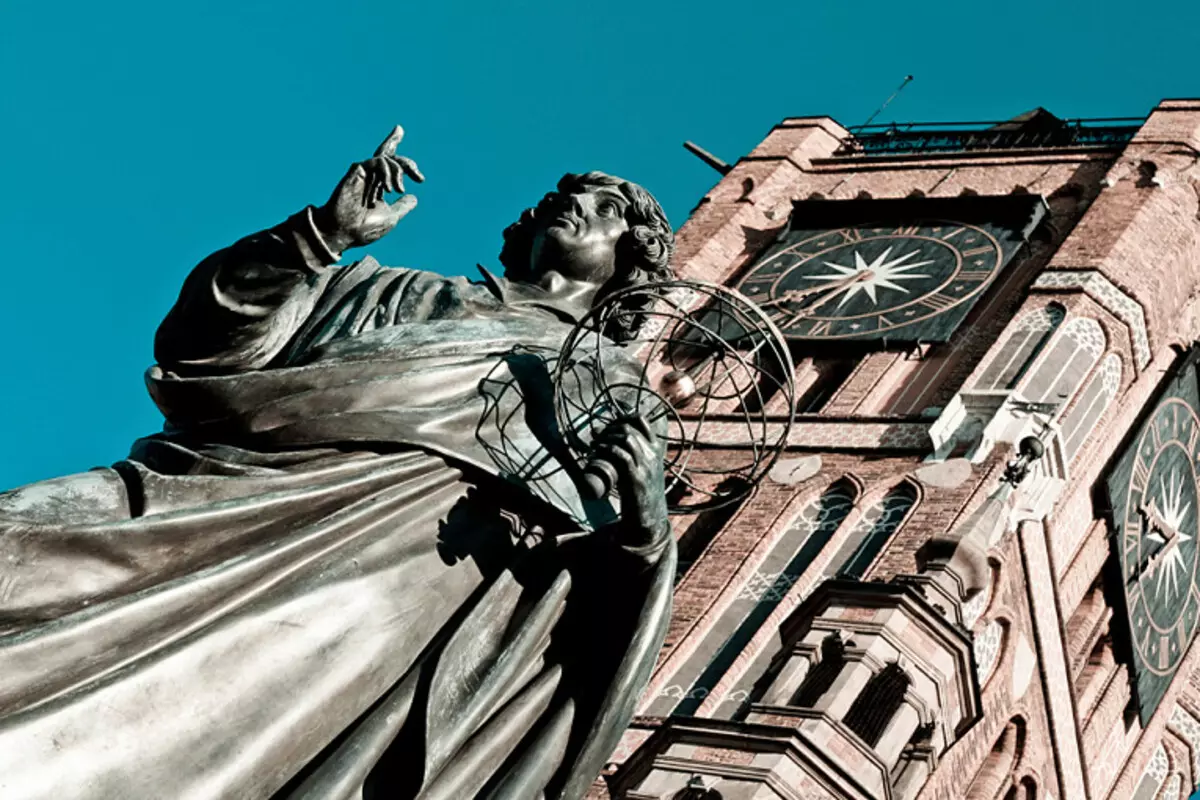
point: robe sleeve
(240, 306)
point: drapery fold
(320, 582)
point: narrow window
(764, 590)
(1092, 404)
(822, 674)
(1066, 363)
(879, 701)
(1025, 340)
(873, 531)
(995, 775)
(830, 375)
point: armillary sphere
(710, 369)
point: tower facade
(973, 573)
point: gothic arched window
(1092, 403)
(996, 772)
(1069, 359)
(873, 531)
(822, 674)
(762, 592)
(878, 702)
(1026, 338)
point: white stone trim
(1105, 292)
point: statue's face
(578, 233)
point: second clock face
(867, 281)
(1159, 547)
(1154, 492)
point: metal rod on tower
(707, 157)
(907, 80)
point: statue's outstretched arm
(239, 307)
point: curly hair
(643, 253)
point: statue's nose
(576, 202)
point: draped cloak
(354, 564)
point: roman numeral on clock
(1164, 652)
(978, 251)
(1141, 473)
(952, 234)
(850, 235)
(975, 274)
(939, 302)
(907, 230)
(820, 327)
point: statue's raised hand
(356, 213)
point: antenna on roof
(707, 157)
(907, 80)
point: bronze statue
(356, 561)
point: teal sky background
(137, 137)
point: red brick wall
(1143, 235)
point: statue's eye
(608, 208)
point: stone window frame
(1087, 410)
(1043, 321)
(686, 688)
(1090, 338)
(871, 538)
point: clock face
(1155, 494)
(853, 281)
(893, 270)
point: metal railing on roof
(958, 137)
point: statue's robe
(354, 564)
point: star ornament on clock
(1167, 528)
(871, 277)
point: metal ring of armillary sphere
(705, 364)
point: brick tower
(973, 573)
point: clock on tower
(899, 270)
(1154, 494)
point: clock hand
(1157, 557)
(830, 290)
(1154, 522)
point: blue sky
(138, 137)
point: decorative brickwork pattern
(973, 609)
(761, 592)
(1106, 293)
(1188, 727)
(1155, 775)
(987, 650)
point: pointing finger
(390, 143)
(395, 177)
(410, 168)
